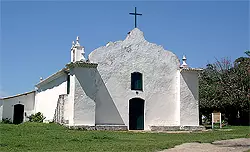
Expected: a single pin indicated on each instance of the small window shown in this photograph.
(68, 84)
(136, 81)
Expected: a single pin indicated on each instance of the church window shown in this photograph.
(136, 81)
(68, 84)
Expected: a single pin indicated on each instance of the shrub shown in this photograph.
(37, 117)
(6, 121)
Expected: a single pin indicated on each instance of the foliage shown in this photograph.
(6, 121)
(32, 136)
(37, 117)
(247, 52)
(225, 87)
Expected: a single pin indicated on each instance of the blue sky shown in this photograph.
(36, 36)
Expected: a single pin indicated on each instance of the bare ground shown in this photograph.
(232, 145)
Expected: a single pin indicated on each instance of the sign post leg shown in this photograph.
(212, 121)
(220, 121)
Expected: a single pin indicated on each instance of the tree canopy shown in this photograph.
(225, 87)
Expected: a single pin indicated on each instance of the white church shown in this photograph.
(126, 85)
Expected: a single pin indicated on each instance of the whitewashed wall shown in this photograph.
(117, 61)
(69, 104)
(28, 100)
(48, 94)
(1, 110)
(189, 107)
(77, 53)
(68, 111)
(84, 96)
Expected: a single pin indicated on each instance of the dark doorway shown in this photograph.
(136, 114)
(18, 113)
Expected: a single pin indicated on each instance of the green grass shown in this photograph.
(52, 137)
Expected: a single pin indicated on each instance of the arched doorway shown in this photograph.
(136, 114)
(18, 113)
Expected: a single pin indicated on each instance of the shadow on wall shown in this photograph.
(191, 80)
(106, 112)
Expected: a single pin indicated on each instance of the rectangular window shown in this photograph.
(136, 81)
(68, 84)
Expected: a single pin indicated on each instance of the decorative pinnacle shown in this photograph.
(184, 64)
(73, 44)
(77, 40)
(184, 58)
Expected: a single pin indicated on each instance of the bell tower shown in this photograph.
(77, 51)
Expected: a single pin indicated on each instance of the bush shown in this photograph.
(37, 117)
(6, 121)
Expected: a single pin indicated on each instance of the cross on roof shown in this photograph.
(135, 14)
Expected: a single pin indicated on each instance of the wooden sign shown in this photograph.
(216, 118)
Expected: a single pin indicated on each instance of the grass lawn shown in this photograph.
(52, 137)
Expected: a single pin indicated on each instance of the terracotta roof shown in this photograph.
(191, 69)
(82, 64)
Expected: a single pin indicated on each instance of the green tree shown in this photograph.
(224, 87)
(247, 53)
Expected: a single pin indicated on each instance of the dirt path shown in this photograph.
(232, 145)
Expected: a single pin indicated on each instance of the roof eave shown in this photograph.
(52, 77)
(191, 69)
(33, 91)
(81, 64)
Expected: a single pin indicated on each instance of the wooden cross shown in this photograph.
(135, 14)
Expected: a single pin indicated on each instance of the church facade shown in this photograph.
(126, 85)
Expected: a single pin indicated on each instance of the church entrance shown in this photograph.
(18, 113)
(136, 114)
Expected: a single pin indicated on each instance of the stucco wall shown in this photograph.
(118, 60)
(84, 96)
(189, 107)
(63, 110)
(93, 103)
(106, 108)
(68, 110)
(27, 100)
(77, 53)
(1, 110)
(48, 94)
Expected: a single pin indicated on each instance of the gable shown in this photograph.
(134, 54)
